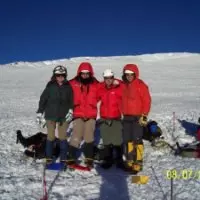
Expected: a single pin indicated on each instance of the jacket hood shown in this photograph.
(85, 66)
(133, 68)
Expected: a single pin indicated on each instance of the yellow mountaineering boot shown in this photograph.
(138, 163)
(129, 156)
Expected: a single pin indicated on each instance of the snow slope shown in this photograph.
(174, 83)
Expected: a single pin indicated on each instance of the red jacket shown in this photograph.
(85, 96)
(111, 98)
(136, 99)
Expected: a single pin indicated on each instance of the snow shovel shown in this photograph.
(140, 179)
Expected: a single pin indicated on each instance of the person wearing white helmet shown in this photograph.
(136, 104)
(110, 95)
(56, 102)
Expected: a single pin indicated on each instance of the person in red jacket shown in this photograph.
(110, 95)
(85, 88)
(136, 103)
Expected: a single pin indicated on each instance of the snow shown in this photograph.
(173, 80)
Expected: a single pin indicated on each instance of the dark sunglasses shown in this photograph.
(107, 78)
(131, 74)
(85, 73)
(60, 75)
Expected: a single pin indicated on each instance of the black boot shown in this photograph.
(88, 150)
(63, 150)
(108, 157)
(89, 162)
(71, 156)
(49, 149)
(21, 139)
(118, 157)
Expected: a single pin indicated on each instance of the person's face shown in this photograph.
(130, 77)
(60, 78)
(108, 80)
(85, 75)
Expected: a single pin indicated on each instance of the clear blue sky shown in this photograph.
(32, 30)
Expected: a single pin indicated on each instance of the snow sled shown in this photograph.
(188, 150)
(55, 166)
(60, 166)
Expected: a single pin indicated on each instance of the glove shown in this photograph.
(69, 115)
(143, 120)
(39, 118)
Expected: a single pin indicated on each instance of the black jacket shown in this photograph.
(56, 101)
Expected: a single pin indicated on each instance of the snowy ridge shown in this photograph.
(173, 80)
(138, 58)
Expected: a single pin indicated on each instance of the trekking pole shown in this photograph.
(174, 118)
(173, 127)
(171, 188)
(44, 185)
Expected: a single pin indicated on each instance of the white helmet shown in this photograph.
(60, 70)
(108, 73)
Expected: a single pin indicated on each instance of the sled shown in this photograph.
(61, 166)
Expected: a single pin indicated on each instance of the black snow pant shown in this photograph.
(132, 140)
(132, 131)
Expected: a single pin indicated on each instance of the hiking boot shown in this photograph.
(89, 162)
(107, 164)
(107, 156)
(63, 150)
(118, 156)
(49, 149)
(70, 162)
(88, 150)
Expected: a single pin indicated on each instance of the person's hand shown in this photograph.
(143, 120)
(69, 115)
(116, 82)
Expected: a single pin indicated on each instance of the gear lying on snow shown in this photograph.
(191, 150)
(62, 166)
(35, 145)
(188, 150)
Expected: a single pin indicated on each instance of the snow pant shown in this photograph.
(82, 130)
(62, 129)
(133, 144)
(111, 132)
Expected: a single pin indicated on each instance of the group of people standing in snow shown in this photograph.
(124, 108)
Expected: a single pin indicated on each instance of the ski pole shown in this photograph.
(171, 188)
(174, 117)
(44, 185)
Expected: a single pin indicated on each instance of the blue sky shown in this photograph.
(33, 30)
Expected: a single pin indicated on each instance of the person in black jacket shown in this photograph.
(56, 102)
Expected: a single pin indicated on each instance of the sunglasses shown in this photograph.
(60, 75)
(108, 78)
(129, 74)
(85, 73)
